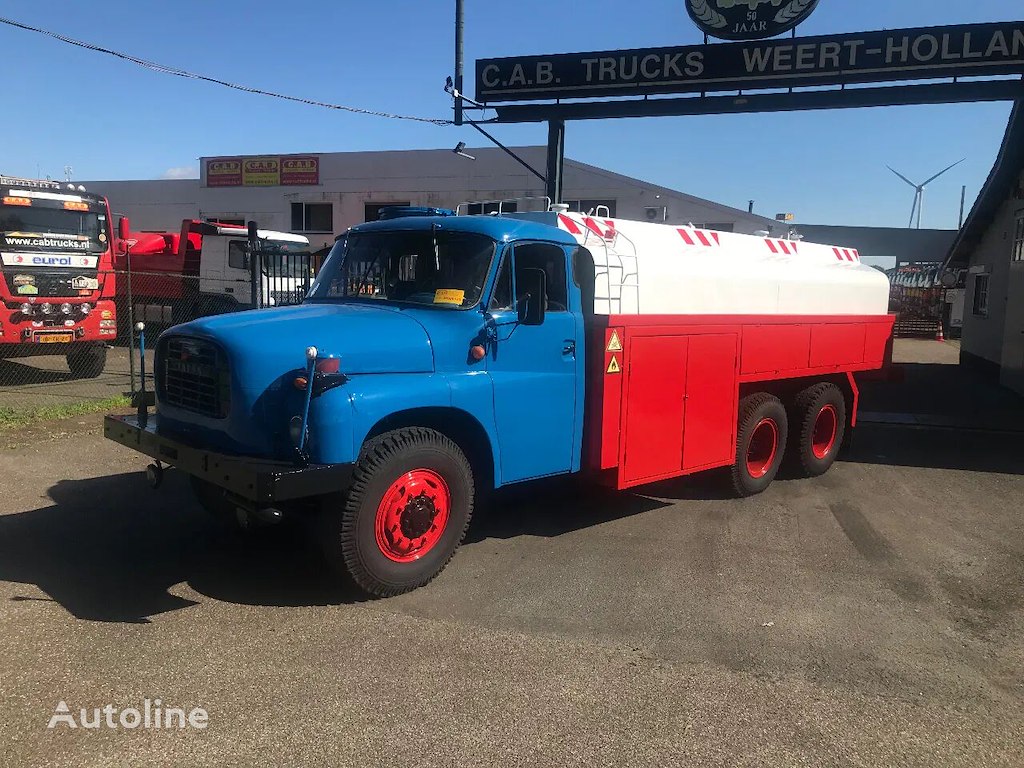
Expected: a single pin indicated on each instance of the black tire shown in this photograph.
(758, 458)
(214, 500)
(351, 533)
(819, 416)
(89, 362)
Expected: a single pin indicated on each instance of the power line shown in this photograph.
(163, 69)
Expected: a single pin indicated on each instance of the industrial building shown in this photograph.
(322, 194)
(885, 246)
(990, 251)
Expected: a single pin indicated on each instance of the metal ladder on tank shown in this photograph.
(614, 301)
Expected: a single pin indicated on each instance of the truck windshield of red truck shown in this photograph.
(27, 224)
(446, 270)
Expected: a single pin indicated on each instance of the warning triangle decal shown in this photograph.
(614, 345)
(613, 366)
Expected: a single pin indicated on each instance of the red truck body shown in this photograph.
(664, 390)
(204, 269)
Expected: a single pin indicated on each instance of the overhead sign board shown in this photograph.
(263, 171)
(886, 56)
(748, 19)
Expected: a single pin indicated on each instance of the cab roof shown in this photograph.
(500, 228)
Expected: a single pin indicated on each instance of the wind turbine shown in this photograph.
(919, 193)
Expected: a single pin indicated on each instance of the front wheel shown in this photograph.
(88, 362)
(406, 513)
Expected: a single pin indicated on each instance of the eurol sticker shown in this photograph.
(48, 260)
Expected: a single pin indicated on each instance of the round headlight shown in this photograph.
(46, 308)
(85, 308)
(65, 309)
(26, 309)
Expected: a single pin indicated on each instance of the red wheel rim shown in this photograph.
(826, 426)
(412, 515)
(764, 444)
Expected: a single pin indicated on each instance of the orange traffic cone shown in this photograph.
(939, 335)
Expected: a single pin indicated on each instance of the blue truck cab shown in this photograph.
(435, 357)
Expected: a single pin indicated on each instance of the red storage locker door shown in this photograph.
(655, 399)
(711, 392)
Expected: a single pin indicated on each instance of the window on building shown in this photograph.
(371, 211)
(313, 217)
(726, 226)
(590, 206)
(1018, 238)
(508, 206)
(981, 295)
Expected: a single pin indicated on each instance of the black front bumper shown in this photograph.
(259, 480)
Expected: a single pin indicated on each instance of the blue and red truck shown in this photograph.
(440, 356)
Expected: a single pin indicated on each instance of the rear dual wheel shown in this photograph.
(404, 516)
(819, 418)
(761, 437)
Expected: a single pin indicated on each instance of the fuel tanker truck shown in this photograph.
(438, 357)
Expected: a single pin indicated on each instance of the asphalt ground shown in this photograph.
(869, 617)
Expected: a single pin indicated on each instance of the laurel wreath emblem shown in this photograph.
(708, 15)
(793, 10)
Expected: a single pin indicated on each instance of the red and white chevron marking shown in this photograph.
(846, 254)
(702, 237)
(603, 228)
(569, 225)
(788, 247)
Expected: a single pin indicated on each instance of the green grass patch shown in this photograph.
(11, 418)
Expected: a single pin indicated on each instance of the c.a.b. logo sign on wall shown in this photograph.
(748, 19)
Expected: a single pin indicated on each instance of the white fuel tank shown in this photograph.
(658, 269)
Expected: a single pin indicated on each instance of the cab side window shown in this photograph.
(501, 299)
(550, 258)
(237, 252)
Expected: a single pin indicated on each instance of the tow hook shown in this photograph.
(155, 475)
(259, 517)
(269, 515)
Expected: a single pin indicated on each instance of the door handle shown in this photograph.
(569, 348)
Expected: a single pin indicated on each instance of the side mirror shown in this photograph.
(531, 285)
(124, 228)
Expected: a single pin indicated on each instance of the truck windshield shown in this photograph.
(285, 263)
(434, 268)
(38, 228)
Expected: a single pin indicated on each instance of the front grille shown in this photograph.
(195, 376)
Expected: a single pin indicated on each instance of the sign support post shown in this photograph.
(459, 29)
(555, 161)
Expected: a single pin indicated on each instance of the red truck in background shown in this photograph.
(205, 268)
(57, 282)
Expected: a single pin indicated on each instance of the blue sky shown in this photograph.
(112, 120)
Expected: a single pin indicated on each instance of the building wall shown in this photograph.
(1012, 373)
(351, 180)
(983, 336)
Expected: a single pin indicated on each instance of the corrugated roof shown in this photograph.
(1001, 181)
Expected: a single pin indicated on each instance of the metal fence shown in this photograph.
(39, 369)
